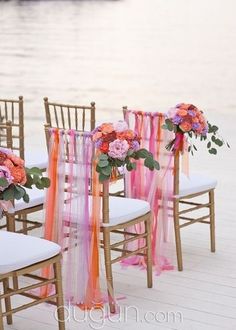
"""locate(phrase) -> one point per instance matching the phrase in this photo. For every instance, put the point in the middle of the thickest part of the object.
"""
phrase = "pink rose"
(118, 149)
(120, 126)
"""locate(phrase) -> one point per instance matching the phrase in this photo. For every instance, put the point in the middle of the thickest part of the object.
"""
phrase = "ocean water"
(147, 54)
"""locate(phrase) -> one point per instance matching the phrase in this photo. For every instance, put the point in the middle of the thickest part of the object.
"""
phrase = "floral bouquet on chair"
(15, 177)
(188, 119)
(119, 147)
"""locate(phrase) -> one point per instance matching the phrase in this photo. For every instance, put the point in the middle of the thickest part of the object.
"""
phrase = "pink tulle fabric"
(72, 217)
(154, 186)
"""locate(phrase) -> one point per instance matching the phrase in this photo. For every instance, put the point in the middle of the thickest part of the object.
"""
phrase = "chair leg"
(60, 302)
(11, 225)
(7, 300)
(149, 252)
(177, 235)
(212, 220)
(1, 317)
(108, 266)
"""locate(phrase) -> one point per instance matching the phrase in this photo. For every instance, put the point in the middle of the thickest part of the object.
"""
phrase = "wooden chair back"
(67, 116)
(6, 135)
(13, 111)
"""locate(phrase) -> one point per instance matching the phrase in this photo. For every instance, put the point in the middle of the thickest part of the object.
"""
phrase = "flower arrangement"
(188, 119)
(15, 177)
(119, 147)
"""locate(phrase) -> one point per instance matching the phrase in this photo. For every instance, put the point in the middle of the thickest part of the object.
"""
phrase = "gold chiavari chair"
(67, 116)
(118, 214)
(13, 110)
(23, 255)
(20, 210)
(186, 190)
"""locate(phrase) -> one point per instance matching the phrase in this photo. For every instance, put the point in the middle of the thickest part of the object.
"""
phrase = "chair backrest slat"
(13, 111)
(68, 116)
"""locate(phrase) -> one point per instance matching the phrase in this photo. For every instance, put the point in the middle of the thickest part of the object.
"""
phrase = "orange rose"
(184, 106)
(19, 175)
(106, 128)
(195, 120)
(8, 163)
(16, 160)
(182, 112)
(97, 136)
(126, 135)
(185, 126)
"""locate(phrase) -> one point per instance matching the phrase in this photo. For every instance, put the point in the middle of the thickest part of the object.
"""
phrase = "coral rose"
(182, 112)
(106, 128)
(97, 136)
(8, 163)
(16, 160)
(185, 126)
(18, 174)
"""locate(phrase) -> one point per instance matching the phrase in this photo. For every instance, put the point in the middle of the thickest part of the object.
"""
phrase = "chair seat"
(121, 210)
(37, 197)
(195, 183)
(36, 158)
(19, 251)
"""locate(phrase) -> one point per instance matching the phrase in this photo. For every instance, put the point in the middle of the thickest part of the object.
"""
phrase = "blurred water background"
(147, 54)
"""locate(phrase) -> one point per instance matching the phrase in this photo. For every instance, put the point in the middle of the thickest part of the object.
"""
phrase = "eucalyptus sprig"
(106, 164)
(16, 191)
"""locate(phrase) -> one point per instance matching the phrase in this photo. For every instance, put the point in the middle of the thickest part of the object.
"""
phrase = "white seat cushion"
(36, 158)
(37, 197)
(121, 209)
(124, 209)
(19, 251)
(195, 183)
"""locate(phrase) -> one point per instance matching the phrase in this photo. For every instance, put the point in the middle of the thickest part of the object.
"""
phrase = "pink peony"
(118, 149)
(120, 126)
(5, 173)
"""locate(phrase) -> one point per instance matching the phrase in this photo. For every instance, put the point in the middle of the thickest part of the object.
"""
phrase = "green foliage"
(34, 177)
(105, 163)
(214, 140)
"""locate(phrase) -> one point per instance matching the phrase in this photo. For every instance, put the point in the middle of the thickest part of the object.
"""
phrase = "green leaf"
(103, 163)
(19, 192)
(46, 182)
(227, 144)
(106, 170)
(8, 194)
(149, 162)
(3, 182)
(156, 165)
(213, 138)
(195, 148)
(39, 185)
(142, 153)
(29, 183)
(103, 157)
(103, 177)
(219, 142)
(164, 126)
(34, 171)
(212, 151)
(130, 153)
(209, 144)
(169, 124)
(26, 198)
